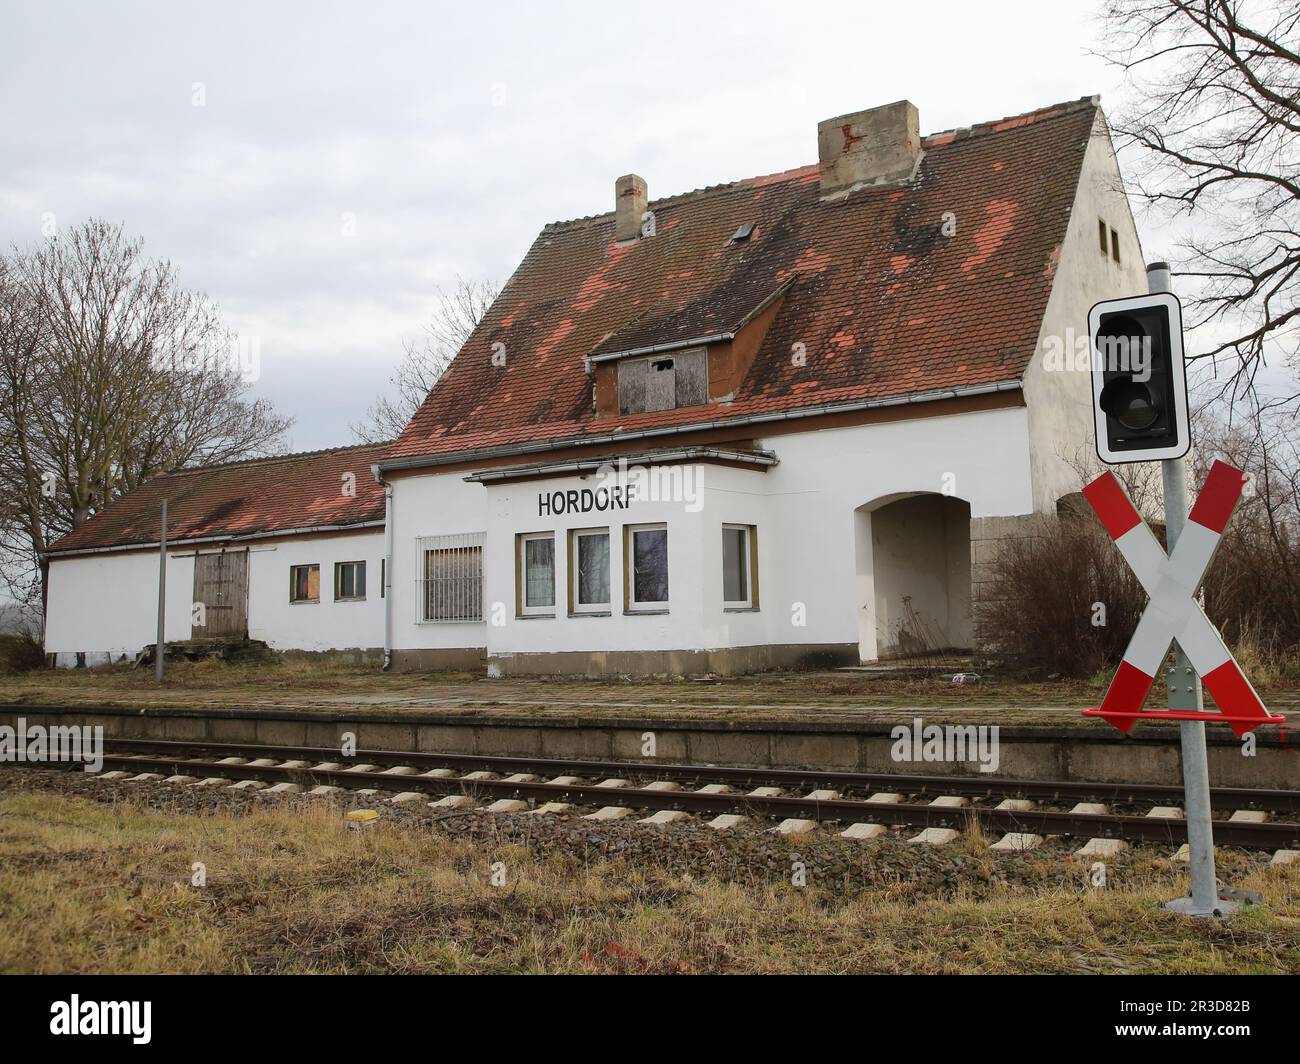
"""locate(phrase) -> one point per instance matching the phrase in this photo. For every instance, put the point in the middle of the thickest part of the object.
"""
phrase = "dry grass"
(91, 887)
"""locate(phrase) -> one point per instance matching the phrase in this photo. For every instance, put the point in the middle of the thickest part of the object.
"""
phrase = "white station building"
(777, 422)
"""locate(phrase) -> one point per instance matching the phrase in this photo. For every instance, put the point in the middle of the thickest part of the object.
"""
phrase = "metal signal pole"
(1185, 693)
(162, 595)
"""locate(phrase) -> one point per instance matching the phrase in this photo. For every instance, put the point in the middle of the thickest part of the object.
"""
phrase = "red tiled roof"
(265, 495)
(883, 303)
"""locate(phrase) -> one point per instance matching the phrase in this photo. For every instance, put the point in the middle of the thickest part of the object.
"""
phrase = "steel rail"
(965, 786)
(1147, 829)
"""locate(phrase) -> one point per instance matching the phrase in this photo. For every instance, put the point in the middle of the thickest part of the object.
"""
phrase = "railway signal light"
(1139, 387)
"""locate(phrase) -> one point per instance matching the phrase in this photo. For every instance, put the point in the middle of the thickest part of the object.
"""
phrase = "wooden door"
(221, 584)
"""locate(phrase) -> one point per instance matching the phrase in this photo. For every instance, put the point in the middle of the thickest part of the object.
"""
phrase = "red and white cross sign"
(1173, 613)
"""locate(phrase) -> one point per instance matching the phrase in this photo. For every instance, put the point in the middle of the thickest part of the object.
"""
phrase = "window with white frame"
(589, 570)
(536, 571)
(450, 585)
(645, 566)
(349, 581)
(739, 551)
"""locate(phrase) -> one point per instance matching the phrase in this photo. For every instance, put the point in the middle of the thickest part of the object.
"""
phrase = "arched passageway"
(913, 576)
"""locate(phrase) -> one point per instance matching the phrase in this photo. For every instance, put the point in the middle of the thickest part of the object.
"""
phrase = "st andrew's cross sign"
(1174, 613)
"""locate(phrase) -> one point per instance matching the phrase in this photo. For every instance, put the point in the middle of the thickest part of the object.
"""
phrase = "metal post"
(162, 595)
(1185, 693)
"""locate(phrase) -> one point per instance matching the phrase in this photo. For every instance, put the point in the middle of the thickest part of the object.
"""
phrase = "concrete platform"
(545, 720)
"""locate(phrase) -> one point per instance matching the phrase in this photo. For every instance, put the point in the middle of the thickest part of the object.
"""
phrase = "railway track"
(864, 805)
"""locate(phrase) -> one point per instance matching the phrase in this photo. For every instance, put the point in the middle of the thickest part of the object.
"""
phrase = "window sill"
(534, 616)
(645, 613)
(304, 602)
(576, 615)
(352, 599)
(739, 609)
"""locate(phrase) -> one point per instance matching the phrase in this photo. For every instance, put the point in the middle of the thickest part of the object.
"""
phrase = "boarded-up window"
(304, 583)
(451, 581)
(679, 379)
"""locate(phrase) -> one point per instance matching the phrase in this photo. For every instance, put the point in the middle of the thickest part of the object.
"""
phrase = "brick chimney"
(868, 147)
(629, 204)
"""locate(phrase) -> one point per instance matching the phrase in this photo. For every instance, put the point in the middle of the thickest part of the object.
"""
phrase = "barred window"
(451, 578)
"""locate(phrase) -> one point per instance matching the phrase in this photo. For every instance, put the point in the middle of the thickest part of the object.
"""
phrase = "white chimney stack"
(630, 201)
(870, 147)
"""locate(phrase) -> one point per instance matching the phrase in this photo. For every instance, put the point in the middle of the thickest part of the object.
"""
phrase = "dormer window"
(663, 382)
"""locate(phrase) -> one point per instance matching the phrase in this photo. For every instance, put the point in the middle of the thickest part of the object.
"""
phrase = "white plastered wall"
(807, 510)
(105, 606)
(323, 625)
(1060, 402)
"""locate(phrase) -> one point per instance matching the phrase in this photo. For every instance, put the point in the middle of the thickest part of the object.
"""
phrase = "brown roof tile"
(267, 495)
(882, 302)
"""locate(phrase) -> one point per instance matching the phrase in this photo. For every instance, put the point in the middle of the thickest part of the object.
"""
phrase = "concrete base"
(1285, 857)
(1101, 848)
(609, 812)
(507, 805)
(727, 821)
(1017, 841)
(864, 831)
(466, 659)
(795, 826)
(936, 836)
(665, 816)
(553, 807)
(406, 796)
(727, 661)
(1186, 907)
(453, 801)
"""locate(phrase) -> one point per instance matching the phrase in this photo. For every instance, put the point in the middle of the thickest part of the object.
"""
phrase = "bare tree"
(455, 316)
(1214, 118)
(110, 372)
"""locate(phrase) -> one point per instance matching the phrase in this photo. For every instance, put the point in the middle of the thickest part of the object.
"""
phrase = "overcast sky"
(242, 140)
